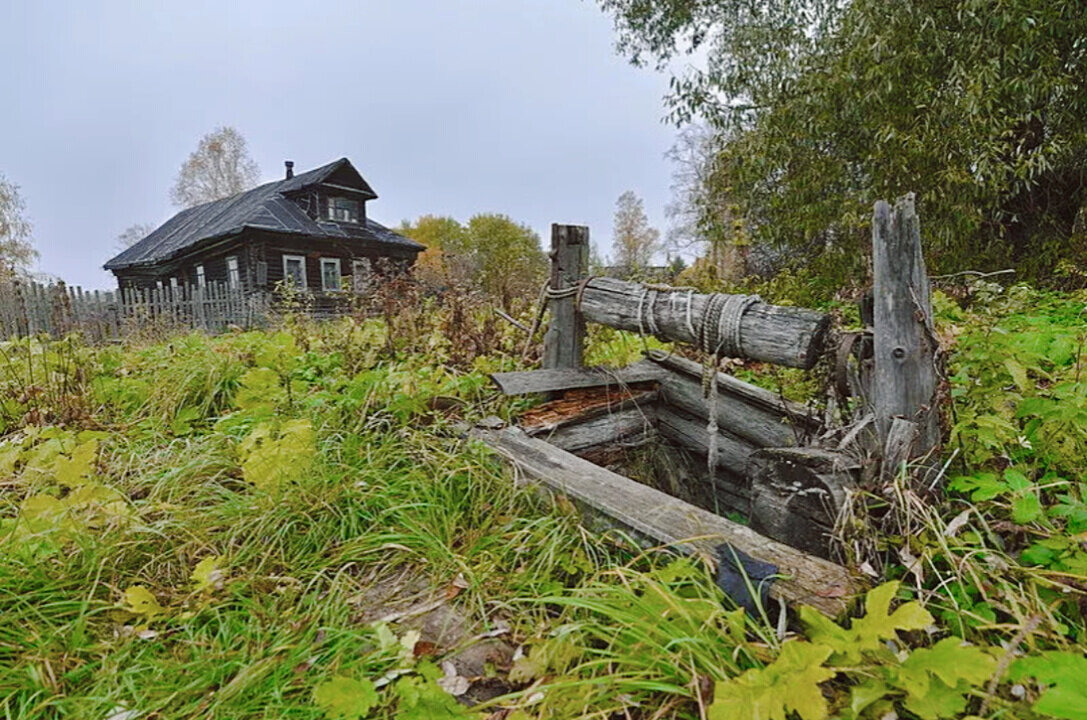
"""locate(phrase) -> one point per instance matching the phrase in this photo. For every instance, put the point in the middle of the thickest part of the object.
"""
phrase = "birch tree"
(16, 250)
(218, 168)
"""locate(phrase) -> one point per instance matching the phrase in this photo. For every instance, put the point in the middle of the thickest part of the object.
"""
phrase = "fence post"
(564, 342)
(904, 378)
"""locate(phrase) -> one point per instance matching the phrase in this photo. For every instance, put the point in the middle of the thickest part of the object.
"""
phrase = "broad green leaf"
(1018, 373)
(940, 701)
(1016, 480)
(951, 661)
(345, 698)
(9, 455)
(424, 700)
(982, 486)
(1026, 508)
(1063, 674)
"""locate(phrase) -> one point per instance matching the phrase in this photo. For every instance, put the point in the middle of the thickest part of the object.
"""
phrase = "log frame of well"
(772, 455)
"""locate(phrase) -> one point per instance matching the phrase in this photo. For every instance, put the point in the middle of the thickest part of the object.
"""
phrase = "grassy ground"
(288, 524)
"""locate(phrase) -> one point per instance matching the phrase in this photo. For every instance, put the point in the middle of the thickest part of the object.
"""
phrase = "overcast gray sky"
(445, 106)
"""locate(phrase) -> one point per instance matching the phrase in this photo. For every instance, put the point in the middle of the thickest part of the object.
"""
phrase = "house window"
(233, 277)
(330, 274)
(343, 209)
(201, 281)
(294, 270)
(361, 272)
(173, 283)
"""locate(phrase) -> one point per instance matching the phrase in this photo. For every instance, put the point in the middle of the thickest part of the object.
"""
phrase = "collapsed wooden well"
(775, 463)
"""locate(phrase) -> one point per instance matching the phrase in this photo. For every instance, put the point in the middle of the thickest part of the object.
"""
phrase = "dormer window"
(343, 209)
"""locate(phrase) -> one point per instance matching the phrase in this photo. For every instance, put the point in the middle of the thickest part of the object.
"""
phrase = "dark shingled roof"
(265, 208)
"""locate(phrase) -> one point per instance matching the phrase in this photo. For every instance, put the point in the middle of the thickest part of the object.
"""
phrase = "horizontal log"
(746, 411)
(557, 414)
(539, 381)
(659, 518)
(732, 452)
(768, 333)
(633, 425)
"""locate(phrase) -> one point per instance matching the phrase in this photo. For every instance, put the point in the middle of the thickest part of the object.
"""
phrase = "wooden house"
(312, 228)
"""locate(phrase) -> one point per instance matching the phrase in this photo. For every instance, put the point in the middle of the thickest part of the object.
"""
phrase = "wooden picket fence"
(29, 308)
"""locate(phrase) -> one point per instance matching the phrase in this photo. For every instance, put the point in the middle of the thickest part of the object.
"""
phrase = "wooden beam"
(564, 342)
(662, 519)
(634, 425)
(769, 333)
(904, 378)
(540, 381)
(749, 412)
(732, 452)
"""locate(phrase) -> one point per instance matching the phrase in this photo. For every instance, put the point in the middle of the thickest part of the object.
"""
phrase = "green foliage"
(491, 254)
(825, 107)
(344, 698)
(212, 534)
(866, 634)
(1061, 674)
(274, 453)
(789, 684)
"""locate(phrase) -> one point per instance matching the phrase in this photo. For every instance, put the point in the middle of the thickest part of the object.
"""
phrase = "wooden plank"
(660, 518)
(904, 378)
(752, 413)
(782, 335)
(538, 381)
(564, 342)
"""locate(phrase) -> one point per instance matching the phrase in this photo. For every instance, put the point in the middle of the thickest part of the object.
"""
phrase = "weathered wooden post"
(904, 377)
(564, 343)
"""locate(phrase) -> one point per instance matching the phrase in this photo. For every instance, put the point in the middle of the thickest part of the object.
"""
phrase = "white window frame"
(344, 215)
(302, 262)
(233, 274)
(201, 279)
(173, 282)
(339, 275)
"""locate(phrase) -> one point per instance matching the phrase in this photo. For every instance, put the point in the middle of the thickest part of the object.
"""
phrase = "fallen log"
(768, 333)
(657, 518)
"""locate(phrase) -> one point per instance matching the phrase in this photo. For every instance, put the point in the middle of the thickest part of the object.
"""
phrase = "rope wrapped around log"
(721, 324)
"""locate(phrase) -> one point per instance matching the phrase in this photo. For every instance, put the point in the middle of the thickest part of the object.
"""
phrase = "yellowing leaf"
(868, 632)
(790, 683)
(344, 698)
(9, 455)
(952, 661)
(207, 575)
(140, 601)
(274, 457)
(73, 470)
